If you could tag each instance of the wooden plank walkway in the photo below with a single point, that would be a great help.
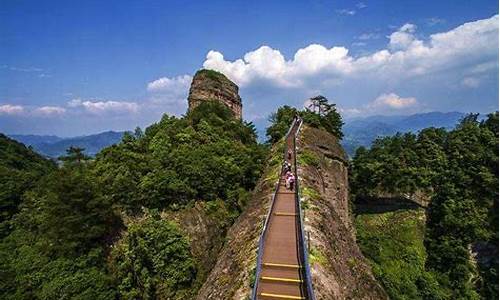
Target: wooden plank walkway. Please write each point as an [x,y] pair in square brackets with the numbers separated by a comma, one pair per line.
[280,276]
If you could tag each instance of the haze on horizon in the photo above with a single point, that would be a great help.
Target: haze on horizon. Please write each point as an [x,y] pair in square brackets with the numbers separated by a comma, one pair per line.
[71,69]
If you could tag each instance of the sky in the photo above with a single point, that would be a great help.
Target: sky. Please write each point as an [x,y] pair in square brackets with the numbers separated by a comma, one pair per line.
[72,68]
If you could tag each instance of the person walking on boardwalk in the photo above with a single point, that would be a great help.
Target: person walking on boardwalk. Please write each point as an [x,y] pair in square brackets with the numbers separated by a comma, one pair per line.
[290,180]
[287,167]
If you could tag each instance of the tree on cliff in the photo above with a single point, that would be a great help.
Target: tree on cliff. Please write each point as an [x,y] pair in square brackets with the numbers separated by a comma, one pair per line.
[319,114]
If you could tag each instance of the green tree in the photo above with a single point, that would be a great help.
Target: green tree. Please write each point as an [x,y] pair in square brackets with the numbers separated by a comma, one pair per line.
[153,261]
[74,155]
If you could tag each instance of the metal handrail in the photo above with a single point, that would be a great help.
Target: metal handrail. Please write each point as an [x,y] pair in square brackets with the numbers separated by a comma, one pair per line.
[304,252]
[266,223]
[302,246]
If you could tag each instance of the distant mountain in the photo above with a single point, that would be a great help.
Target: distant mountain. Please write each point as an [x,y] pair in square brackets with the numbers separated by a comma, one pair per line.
[31,139]
[54,146]
[362,131]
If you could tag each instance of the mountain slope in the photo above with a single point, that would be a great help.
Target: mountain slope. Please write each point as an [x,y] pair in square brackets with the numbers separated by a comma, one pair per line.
[54,146]
[20,168]
[361,132]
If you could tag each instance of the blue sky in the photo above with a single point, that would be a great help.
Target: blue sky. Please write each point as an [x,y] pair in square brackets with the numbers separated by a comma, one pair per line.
[72,68]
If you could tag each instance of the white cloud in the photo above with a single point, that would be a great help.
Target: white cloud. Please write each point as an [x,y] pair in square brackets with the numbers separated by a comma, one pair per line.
[403,38]
[346,12]
[386,104]
[434,21]
[361,5]
[392,101]
[468,45]
[9,109]
[170,94]
[49,110]
[358,44]
[98,107]
[369,36]
[470,82]
[170,84]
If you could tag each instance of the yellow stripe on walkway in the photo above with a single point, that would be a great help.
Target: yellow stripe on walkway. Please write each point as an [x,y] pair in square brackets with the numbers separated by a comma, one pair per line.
[285,214]
[281,279]
[281,296]
[281,265]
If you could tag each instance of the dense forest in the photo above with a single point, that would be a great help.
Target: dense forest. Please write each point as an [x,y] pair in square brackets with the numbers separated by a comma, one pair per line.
[93,228]
[104,227]
[457,171]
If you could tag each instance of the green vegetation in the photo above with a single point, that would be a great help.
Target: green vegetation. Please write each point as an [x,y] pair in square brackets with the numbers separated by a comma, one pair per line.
[394,244]
[64,224]
[20,169]
[207,155]
[56,247]
[214,75]
[308,158]
[153,260]
[317,257]
[321,114]
[459,171]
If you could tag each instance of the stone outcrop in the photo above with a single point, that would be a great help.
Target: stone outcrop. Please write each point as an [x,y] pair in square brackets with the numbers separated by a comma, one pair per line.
[209,85]
[338,268]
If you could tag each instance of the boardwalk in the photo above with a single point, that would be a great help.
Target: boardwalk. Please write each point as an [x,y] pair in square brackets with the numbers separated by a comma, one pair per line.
[281,269]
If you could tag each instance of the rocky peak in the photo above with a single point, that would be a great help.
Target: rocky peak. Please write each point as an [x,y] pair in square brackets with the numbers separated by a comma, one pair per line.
[209,85]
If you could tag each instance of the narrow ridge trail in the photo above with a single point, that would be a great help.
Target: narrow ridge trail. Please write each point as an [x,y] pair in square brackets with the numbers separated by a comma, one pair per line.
[281,266]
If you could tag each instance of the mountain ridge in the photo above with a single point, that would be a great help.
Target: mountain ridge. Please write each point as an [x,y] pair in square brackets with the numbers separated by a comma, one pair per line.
[54,146]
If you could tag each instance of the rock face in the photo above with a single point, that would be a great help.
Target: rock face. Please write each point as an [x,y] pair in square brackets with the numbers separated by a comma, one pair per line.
[209,85]
[338,268]
[206,228]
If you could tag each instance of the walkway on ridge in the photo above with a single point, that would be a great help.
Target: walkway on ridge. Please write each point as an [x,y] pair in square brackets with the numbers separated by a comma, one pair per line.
[281,269]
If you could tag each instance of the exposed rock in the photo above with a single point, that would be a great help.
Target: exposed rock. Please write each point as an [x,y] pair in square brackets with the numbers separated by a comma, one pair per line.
[338,268]
[209,85]
[206,224]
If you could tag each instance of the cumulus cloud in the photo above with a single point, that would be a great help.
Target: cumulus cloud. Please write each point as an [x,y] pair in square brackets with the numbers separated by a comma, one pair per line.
[170,94]
[385,104]
[170,84]
[98,107]
[9,109]
[406,55]
[393,101]
[403,38]
[49,110]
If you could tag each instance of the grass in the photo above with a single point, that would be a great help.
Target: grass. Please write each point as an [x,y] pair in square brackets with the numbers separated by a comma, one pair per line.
[308,158]
[316,256]
[310,194]
[214,75]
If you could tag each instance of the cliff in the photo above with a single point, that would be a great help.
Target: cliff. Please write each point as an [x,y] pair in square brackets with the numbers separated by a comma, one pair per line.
[209,85]
[338,268]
